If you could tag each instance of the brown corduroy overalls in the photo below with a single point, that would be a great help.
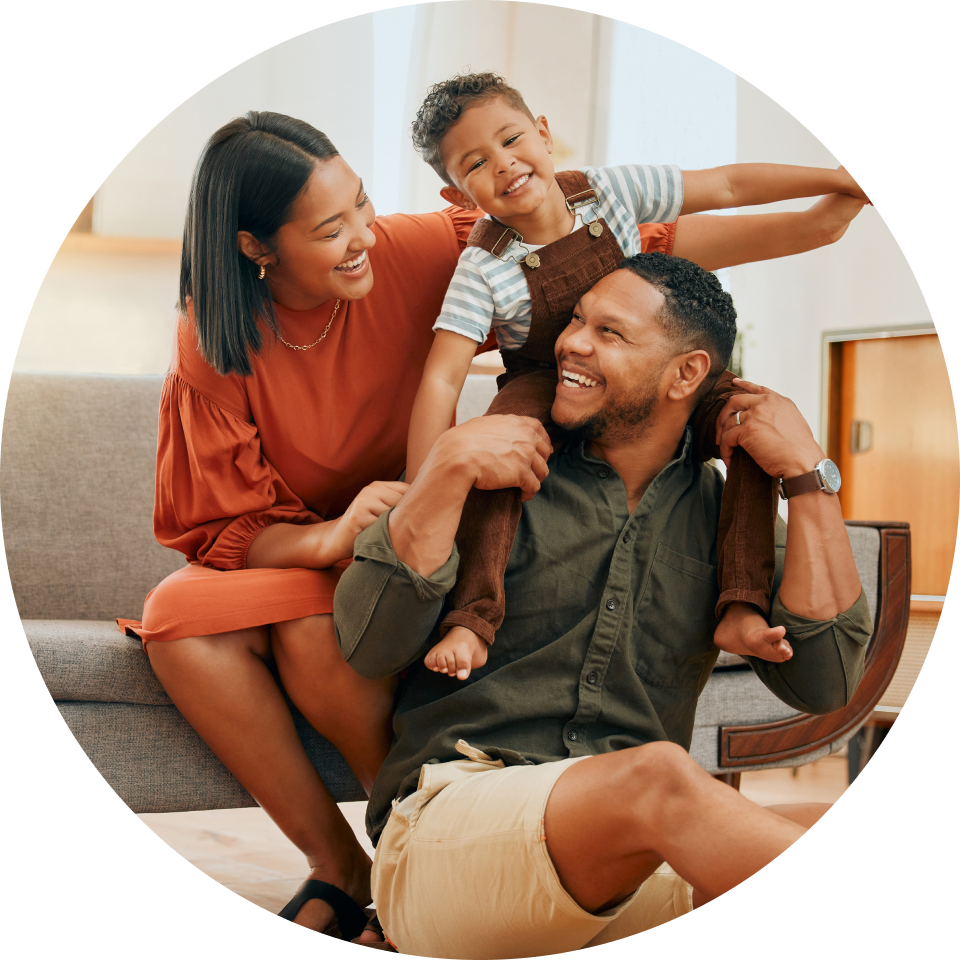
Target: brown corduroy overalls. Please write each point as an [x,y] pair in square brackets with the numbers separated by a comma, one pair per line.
[566,270]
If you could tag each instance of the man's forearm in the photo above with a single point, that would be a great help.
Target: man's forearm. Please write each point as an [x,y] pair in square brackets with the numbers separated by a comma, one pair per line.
[820,578]
[423,526]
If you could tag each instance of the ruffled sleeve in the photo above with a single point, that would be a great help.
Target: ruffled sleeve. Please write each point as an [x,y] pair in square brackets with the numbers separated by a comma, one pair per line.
[463,221]
[657,237]
[215,491]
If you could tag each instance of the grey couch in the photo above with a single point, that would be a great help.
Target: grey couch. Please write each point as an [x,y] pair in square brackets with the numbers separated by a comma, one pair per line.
[76,488]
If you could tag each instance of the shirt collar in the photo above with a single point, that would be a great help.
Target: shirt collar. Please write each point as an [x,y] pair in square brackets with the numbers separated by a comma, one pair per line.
[578,452]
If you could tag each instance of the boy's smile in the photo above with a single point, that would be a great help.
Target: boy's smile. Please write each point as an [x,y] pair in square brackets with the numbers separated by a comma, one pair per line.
[499,161]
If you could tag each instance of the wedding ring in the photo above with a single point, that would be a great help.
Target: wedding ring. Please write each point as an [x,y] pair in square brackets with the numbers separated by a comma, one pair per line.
[738,418]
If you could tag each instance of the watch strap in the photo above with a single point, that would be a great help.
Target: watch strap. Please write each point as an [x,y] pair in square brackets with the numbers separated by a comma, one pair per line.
[805,483]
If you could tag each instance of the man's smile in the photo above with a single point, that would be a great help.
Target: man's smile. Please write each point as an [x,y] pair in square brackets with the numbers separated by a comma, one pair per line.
[578,381]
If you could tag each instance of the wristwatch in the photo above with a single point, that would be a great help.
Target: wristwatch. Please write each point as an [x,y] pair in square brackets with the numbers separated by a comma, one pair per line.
[824,476]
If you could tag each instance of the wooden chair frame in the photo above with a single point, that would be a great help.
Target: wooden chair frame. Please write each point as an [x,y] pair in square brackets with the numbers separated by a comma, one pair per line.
[752,745]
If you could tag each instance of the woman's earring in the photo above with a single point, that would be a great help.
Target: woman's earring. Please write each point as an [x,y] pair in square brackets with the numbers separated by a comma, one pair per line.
[263,271]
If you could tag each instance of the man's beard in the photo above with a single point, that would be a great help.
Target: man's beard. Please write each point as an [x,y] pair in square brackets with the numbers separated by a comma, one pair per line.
[624,419]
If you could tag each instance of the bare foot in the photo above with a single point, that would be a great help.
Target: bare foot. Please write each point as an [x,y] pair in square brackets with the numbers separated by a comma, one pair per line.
[459,652]
[745,632]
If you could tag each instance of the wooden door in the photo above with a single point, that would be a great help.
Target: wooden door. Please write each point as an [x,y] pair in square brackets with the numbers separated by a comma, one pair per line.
[896,446]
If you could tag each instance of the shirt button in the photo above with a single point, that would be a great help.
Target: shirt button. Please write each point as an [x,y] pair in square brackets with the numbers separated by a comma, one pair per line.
[603,473]
[572,735]
[626,538]
[592,677]
[611,604]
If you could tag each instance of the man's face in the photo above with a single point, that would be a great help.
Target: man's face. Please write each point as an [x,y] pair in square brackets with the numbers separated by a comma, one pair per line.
[611,359]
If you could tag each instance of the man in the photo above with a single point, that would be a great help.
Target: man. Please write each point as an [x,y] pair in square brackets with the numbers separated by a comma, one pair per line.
[530,802]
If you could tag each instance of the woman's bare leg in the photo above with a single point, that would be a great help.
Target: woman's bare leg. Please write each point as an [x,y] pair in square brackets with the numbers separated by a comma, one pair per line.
[223,687]
[353,713]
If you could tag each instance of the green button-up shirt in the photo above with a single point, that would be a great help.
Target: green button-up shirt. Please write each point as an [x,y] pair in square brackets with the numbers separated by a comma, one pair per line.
[608,635]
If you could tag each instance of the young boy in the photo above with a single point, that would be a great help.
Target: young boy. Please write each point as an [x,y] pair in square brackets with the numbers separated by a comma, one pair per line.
[548,239]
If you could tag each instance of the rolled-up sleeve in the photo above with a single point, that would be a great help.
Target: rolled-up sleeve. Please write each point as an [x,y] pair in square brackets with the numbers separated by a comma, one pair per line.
[383,610]
[828,658]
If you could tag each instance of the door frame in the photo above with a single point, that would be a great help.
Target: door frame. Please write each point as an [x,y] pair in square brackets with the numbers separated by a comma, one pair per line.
[832,372]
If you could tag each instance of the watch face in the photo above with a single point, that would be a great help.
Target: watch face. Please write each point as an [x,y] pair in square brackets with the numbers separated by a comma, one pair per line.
[830,475]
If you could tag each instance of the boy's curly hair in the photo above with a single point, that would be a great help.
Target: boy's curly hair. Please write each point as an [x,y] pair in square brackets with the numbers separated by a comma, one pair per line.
[697,313]
[444,105]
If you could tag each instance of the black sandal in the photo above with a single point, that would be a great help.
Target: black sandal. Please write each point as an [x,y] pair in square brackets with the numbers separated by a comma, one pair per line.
[351,917]
[373,924]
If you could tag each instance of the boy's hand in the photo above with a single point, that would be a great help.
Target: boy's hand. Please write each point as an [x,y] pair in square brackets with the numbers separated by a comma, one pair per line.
[459,652]
[744,632]
[832,215]
[850,186]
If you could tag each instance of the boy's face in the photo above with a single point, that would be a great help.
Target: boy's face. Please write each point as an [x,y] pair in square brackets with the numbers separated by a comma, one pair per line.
[499,161]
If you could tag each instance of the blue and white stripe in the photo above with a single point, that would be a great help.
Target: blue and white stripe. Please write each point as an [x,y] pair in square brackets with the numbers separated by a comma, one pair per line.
[486,291]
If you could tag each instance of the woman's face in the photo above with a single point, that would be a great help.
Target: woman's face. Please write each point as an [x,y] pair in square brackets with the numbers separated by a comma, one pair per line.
[321,254]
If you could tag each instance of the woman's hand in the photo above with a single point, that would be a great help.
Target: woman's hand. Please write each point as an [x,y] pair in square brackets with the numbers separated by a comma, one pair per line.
[320,545]
[374,499]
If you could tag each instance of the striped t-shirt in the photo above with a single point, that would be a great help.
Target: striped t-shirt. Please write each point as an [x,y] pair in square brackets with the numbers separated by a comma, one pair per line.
[486,291]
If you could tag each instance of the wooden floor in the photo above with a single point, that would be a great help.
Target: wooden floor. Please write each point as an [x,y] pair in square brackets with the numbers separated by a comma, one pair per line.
[244,851]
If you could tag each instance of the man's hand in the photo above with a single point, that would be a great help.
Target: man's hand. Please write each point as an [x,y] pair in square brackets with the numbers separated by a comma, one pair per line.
[491,453]
[495,452]
[771,429]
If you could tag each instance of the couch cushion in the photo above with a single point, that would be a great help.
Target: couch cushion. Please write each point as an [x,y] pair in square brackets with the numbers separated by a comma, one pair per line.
[156,762]
[76,483]
[92,660]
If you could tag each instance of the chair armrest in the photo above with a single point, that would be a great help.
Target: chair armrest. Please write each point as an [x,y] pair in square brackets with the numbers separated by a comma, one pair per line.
[763,743]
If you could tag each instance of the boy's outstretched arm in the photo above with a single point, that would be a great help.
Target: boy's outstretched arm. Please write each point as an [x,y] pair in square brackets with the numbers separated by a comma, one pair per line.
[748,184]
[717,242]
[436,403]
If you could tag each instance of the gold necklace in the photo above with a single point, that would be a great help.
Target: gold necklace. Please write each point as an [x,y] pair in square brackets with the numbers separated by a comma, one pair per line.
[326,330]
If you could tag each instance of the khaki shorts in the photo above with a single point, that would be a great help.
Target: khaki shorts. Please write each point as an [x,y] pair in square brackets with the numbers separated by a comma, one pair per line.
[462,870]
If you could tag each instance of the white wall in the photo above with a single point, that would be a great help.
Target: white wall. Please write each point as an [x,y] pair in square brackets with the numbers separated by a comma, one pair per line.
[614,93]
[325,77]
[785,306]
[668,104]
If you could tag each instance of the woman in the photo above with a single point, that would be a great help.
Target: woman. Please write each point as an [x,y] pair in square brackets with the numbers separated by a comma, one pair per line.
[287,403]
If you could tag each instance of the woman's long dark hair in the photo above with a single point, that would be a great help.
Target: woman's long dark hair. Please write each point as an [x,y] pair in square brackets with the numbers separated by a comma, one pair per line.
[249,175]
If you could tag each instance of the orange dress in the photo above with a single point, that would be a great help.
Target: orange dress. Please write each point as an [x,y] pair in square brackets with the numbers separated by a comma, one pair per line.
[294,442]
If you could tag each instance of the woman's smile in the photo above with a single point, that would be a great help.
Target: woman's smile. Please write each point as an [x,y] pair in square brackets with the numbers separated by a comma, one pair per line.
[355,267]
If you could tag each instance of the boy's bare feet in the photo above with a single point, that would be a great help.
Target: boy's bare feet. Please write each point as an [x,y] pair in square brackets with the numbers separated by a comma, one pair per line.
[745,632]
[459,652]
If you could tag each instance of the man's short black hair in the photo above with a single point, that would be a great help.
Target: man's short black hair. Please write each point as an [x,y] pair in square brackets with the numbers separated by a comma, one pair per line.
[445,103]
[697,313]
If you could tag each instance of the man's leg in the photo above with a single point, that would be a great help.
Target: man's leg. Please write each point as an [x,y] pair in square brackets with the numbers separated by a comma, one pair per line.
[612,819]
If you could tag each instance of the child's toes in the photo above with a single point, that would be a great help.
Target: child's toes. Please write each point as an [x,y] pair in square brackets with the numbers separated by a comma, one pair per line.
[463,668]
